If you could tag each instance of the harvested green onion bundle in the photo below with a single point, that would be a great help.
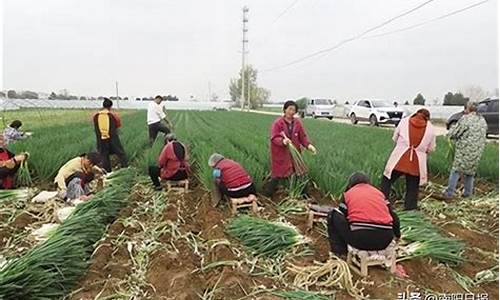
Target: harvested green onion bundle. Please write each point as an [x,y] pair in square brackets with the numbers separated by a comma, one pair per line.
[299,164]
[23,177]
[50,269]
[450,152]
[301,295]
[424,239]
[264,238]
[20,194]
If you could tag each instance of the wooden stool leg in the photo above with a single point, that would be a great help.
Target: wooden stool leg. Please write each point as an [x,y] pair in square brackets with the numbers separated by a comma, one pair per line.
[310,221]
[186,185]
[255,208]
[234,208]
[364,267]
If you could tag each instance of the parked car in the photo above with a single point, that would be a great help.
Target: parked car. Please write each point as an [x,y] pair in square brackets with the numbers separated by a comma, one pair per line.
[488,108]
[319,108]
[376,112]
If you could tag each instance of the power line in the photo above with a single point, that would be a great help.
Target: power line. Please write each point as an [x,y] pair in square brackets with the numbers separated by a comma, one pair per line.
[358,36]
[285,11]
[426,22]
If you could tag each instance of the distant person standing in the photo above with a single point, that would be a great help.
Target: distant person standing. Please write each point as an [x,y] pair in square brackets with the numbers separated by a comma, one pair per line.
[106,124]
[469,135]
[157,119]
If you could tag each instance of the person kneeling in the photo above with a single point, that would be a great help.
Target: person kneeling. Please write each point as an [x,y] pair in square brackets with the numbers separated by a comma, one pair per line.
[172,164]
[9,164]
[74,177]
[230,179]
[364,219]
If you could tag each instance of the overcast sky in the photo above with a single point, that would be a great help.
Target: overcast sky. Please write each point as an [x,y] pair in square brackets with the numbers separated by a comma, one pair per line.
[181,47]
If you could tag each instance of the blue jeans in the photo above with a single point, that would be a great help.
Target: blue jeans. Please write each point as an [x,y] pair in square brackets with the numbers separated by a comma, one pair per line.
[453,181]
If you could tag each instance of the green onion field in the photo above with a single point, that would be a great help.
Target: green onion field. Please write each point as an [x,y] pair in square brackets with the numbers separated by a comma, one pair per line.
[130,242]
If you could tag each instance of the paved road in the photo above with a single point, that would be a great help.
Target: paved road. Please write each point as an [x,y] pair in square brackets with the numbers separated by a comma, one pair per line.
[439,128]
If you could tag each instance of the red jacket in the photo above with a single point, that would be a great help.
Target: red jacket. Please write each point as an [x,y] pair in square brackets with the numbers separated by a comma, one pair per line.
[366,204]
[281,159]
[232,174]
[169,163]
[6,182]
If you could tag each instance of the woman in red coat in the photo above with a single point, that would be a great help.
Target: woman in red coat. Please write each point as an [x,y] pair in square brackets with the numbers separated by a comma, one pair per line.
[172,163]
[364,218]
[230,179]
[286,130]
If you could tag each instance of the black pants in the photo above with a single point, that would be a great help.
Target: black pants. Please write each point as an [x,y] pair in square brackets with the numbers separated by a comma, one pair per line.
[237,194]
[271,186]
[154,174]
[6,172]
[340,235]
[154,129]
[109,147]
[412,183]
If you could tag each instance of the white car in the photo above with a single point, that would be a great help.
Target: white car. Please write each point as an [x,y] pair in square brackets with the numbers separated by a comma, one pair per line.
[376,112]
[320,108]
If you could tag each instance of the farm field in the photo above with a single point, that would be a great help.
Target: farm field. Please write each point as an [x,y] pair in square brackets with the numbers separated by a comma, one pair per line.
[143,244]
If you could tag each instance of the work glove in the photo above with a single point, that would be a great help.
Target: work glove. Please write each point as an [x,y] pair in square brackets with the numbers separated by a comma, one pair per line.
[312,149]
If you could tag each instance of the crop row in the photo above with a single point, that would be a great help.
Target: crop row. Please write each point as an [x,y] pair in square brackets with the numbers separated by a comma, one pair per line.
[342,149]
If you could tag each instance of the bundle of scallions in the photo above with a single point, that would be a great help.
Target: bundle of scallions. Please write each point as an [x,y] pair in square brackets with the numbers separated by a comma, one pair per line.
[23,177]
[50,269]
[450,152]
[19,194]
[264,238]
[423,239]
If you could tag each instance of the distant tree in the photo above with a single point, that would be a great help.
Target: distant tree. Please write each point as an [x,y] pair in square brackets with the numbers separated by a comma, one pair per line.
[2,95]
[137,99]
[11,94]
[257,95]
[456,99]
[125,98]
[72,98]
[419,100]
[83,98]
[407,103]
[28,95]
[302,102]
[346,103]
[52,96]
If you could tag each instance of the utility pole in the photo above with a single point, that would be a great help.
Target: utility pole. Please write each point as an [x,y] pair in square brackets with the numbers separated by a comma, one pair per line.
[243,53]
[117,100]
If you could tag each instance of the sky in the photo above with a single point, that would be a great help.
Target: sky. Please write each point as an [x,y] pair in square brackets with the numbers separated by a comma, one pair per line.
[190,47]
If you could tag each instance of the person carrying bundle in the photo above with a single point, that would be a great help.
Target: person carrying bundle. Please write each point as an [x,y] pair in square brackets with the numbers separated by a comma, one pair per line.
[172,163]
[74,177]
[12,133]
[9,164]
[106,124]
[230,179]
[364,218]
[414,138]
[286,131]
[156,119]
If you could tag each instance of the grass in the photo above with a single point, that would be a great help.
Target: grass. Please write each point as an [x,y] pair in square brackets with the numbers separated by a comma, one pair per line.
[342,149]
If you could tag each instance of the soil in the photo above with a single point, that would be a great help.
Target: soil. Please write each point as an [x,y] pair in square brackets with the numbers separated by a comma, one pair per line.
[176,274]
